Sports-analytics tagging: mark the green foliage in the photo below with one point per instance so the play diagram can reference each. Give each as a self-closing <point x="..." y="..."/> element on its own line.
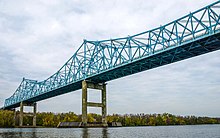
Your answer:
<point x="52" y="120"/>
<point x="160" y="120"/>
<point x="48" y="119"/>
<point x="6" y="118"/>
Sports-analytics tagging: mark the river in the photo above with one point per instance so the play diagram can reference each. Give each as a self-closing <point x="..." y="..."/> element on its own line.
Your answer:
<point x="195" y="131"/>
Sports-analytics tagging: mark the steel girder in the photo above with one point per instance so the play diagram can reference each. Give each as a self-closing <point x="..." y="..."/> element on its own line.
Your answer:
<point x="100" y="61"/>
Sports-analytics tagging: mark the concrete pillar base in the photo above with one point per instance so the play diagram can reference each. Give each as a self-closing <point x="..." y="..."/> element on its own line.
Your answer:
<point x="85" y="103"/>
<point x="22" y="114"/>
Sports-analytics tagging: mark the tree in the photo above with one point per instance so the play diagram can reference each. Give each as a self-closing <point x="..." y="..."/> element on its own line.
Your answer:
<point x="6" y="118"/>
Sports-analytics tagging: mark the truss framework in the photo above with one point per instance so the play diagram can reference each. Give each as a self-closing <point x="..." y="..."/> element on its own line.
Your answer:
<point x="100" y="61"/>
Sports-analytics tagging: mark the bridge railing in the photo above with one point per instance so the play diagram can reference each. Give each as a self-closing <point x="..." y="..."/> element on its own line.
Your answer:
<point x="94" y="57"/>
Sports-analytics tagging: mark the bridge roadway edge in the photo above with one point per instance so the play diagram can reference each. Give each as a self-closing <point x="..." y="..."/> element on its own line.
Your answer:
<point x="185" y="51"/>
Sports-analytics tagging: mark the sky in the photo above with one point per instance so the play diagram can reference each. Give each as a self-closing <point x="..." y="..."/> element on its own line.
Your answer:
<point x="38" y="37"/>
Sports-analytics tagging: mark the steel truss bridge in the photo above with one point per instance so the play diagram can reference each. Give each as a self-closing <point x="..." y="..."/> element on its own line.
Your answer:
<point x="101" y="61"/>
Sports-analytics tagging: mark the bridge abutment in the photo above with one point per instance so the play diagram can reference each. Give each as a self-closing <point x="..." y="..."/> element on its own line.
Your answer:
<point x="86" y="104"/>
<point x="22" y="114"/>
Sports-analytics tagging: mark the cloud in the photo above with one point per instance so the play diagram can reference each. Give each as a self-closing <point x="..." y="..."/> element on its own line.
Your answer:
<point x="38" y="37"/>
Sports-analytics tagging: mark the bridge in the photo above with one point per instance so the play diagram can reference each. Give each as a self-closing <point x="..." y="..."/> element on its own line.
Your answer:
<point x="97" y="62"/>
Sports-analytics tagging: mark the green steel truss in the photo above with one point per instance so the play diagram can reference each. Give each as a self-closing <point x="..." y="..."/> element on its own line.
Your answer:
<point x="100" y="61"/>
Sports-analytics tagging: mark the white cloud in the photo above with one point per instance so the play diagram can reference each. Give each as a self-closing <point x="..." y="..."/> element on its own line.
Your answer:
<point x="37" y="37"/>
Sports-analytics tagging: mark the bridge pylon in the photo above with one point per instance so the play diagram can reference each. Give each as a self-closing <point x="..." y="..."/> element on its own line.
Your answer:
<point x="22" y="114"/>
<point x="85" y="103"/>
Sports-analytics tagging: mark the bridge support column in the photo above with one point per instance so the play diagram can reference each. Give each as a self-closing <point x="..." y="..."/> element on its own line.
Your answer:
<point x="104" y="107"/>
<point x="85" y="103"/>
<point x="21" y="114"/>
<point x="14" y="123"/>
<point x="34" y="114"/>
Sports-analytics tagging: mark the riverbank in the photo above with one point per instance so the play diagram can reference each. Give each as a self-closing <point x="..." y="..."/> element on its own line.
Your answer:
<point x="49" y="119"/>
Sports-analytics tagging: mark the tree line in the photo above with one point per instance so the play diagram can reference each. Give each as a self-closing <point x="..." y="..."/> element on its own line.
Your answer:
<point x="49" y="119"/>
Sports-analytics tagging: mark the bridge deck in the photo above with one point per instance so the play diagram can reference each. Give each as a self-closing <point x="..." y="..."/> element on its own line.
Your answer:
<point x="100" y="61"/>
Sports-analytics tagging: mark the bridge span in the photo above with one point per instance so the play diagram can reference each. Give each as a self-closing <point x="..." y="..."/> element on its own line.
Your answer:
<point x="97" y="62"/>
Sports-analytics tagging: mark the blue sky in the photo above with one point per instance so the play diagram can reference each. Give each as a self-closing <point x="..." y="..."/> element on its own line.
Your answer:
<point x="37" y="38"/>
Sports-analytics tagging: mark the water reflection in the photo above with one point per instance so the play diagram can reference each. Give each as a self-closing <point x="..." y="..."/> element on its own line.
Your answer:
<point x="200" y="131"/>
<point x="11" y="134"/>
<point x="53" y="132"/>
<point x="105" y="133"/>
<point x="87" y="134"/>
<point x="34" y="133"/>
<point x="19" y="133"/>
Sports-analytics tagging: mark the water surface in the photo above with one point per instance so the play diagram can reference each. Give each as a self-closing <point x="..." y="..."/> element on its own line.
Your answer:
<point x="196" y="131"/>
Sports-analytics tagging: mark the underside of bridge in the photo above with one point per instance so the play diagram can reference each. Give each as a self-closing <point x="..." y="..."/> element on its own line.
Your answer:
<point x="97" y="62"/>
<point x="85" y="104"/>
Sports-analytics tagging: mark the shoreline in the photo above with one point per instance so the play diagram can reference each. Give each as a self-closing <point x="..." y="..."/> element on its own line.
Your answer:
<point x="106" y="127"/>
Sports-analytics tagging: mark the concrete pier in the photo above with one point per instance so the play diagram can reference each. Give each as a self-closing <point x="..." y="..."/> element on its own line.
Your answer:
<point x="22" y="114"/>
<point x="85" y="103"/>
<point x="34" y="114"/>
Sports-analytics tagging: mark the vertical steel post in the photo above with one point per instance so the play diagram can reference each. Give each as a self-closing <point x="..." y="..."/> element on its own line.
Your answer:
<point x="84" y="102"/>
<point x="21" y="114"/>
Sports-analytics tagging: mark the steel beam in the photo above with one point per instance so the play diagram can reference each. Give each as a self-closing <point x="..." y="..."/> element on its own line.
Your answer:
<point x="105" y="60"/>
